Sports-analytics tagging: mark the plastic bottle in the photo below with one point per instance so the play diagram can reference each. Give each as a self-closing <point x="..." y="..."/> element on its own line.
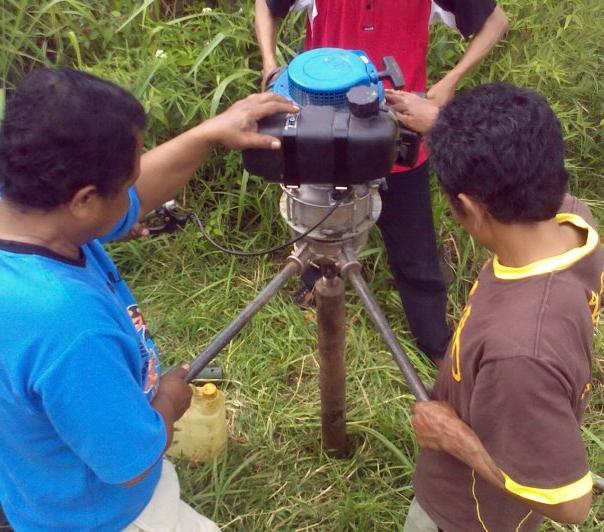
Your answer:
<point x="201" y="433"/>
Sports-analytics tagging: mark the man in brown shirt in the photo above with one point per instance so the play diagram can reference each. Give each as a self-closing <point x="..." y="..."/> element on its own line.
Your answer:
<point x="500" y="442"/>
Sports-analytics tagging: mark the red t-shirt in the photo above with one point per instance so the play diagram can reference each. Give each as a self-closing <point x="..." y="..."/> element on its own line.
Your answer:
<point x="385" y="27"/>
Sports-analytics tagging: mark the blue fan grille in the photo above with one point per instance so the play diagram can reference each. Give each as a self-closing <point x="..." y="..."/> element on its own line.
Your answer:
<point x="303" y="96"/>
<point x="323" y="76"/>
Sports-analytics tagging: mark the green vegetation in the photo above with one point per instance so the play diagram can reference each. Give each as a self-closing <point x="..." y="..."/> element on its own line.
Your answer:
<point x="187" y="60"/>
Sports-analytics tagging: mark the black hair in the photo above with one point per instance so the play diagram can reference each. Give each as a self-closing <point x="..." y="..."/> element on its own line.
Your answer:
<point x="502" y="146"/>
<point x="62" y="130"/>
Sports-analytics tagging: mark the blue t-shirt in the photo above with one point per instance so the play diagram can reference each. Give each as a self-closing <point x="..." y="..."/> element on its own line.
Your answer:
<point x="78" y="371"/>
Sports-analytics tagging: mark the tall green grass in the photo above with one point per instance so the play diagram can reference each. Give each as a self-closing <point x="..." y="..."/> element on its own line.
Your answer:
<point x="188" y="60"/>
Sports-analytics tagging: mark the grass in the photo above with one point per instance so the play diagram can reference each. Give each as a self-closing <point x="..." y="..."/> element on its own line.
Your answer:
<point x="188" y="60"/>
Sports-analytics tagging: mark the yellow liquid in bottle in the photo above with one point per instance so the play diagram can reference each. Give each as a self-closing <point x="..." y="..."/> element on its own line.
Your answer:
<point x="201" y="433"/>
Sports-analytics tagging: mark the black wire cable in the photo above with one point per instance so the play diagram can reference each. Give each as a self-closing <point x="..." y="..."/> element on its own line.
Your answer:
<point x="266" y="251"/>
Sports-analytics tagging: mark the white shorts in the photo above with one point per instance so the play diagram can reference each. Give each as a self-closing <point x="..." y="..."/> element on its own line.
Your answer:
<point x="166" y="512"/>
<point x="418" y="520"/>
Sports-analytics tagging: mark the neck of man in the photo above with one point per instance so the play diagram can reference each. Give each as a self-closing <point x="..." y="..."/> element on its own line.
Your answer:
<point x="49" y="229"/>
<point x="517" y="245"/>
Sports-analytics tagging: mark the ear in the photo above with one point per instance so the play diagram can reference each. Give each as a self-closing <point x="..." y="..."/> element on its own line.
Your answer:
<point x="84" y="201"/>
<point x="474" y="214"/>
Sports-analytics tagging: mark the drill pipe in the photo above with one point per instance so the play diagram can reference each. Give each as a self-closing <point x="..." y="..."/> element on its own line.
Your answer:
<point x="331" y="320"/>
<point x="292" y="267"/>
<point x="413" y="381"/>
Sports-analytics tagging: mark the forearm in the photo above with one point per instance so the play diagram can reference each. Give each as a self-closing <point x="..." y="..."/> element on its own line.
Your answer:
<point x="266" y="34"/>
<point x="464" y="444"/>
<point x="481" y="44"/>
<point x="166" y="411"/>
<point x="166" y="169"/>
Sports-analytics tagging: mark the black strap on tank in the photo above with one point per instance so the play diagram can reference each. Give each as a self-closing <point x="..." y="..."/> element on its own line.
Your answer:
<point x="340" y="153"/>
<point x="291" y="176"/>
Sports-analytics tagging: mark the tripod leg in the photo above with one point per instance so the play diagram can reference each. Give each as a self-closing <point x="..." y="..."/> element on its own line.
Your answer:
<point x="293" y="266"/>
<point x="415" y="384"/>
<point x="331" y="318"/>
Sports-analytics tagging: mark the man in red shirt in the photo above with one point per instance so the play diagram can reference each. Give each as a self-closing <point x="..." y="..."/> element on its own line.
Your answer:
<point x="400" y="28"/>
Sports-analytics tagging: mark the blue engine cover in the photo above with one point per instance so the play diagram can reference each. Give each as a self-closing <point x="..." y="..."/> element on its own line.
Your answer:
<point x="323" y="76"/>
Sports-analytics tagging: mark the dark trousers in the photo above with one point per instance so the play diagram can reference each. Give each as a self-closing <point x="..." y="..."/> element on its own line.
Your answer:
<point x="408" y="231"/>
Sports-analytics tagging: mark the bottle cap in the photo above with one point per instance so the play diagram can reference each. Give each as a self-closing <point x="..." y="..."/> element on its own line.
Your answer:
<point x="209" y="391"/>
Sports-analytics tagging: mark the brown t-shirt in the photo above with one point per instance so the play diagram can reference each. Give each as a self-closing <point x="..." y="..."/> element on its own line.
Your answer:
<point x="518" y="372"/>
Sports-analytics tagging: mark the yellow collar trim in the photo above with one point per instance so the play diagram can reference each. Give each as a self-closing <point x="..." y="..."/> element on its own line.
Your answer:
<point x="552" y="264"/>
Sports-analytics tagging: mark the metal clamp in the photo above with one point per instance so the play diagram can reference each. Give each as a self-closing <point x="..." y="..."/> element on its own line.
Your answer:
<point x="167" y="218"/>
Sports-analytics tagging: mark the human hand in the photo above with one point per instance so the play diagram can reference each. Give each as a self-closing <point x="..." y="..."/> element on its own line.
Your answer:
<point x="413" y="111"/>
<point x="138" y="230"/>
<point x="442" y="92"/>
<point x="269" y="75"/>
<point x="174" y="394"/>
<point x="439" y="428"/>
<point x="269" y="63"/>
<point x="436" y="424"/>
<point x="237" y="127"/>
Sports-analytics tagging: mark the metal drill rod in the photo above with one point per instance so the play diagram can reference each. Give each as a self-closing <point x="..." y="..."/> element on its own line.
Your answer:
<point x="415" y="384"/>
<point x="293" y="267"/>
<point x="331" y="321"/>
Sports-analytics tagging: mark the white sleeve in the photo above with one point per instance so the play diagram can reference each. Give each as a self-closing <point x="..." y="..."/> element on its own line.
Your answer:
<point x="438" y="14"/>
<point x="309" y="5"/>
<point x="299" y="5"/>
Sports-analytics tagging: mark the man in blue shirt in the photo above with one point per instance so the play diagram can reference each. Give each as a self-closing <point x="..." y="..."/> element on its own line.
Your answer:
<point x="85" y="417"/>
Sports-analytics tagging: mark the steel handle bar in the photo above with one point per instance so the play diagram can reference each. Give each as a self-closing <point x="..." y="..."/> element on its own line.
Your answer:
<point x="377" y="316"/>
<point x="211" y="351"/>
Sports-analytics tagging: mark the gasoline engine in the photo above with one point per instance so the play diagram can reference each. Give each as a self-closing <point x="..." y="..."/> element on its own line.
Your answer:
<point x="344" y="133"/>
